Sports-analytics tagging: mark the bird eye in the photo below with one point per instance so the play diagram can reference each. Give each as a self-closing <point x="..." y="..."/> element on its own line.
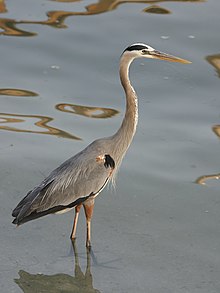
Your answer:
<point x="144" y="51"/>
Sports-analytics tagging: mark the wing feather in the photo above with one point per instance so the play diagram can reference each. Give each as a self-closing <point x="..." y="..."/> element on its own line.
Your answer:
<point x="77" y="178"/>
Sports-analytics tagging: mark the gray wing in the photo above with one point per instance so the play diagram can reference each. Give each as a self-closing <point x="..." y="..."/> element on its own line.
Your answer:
<point x="71" y="183"/>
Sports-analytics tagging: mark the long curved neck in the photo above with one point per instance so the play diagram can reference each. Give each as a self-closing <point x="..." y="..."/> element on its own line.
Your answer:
<point x="123" y="137"/>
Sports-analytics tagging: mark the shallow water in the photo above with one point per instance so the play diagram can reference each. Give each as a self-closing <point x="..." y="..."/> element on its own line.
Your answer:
<point x="158" y="231"/>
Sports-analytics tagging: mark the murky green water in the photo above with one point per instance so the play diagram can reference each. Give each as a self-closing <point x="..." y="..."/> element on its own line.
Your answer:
<point x="158" y="231"/>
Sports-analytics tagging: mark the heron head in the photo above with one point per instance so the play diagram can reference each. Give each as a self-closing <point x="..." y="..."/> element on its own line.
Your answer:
<point x="140" y="50"/>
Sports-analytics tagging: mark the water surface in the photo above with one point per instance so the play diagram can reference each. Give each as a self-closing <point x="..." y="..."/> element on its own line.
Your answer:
<point x="158" y="231"/>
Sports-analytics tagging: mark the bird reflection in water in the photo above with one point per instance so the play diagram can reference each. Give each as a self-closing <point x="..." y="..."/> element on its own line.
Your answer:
<point x="57" y="18"/>
<point x="214" y="60"/>
<point x="81" y="282"/>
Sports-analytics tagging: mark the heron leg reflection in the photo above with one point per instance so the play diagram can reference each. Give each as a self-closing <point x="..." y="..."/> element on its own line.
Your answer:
<point x="85" y="280"/>
<point x="73" y="233"/>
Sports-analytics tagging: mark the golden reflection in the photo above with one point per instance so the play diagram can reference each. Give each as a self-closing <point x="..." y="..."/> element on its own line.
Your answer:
<point x="57" y="18"/>
<point x="32" y="121"/>
<point x="8" y="27"/>
<point x="108" y="5"/>
<point x="216" y="130"/>
<point x="91" y="112"/>
<point x="66" y="1"/>
<point x="156" y="9"/>
<point x="2" y="6"/>
<point x="17" y="93"/>
<point x="202" y="179"/>
<point x="81" y="282"/>
<point x="214" y="60"/>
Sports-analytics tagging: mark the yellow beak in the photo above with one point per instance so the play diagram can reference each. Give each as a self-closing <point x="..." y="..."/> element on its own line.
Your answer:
<point x="163" y="56"/>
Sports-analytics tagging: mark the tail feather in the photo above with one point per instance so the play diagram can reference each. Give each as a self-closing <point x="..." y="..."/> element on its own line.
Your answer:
<point x="18" y="208"/>
<point x="26" y="206"/>
<point x="35" y="215"/>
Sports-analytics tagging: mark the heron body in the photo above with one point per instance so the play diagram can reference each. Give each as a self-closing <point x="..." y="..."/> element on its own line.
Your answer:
<point x="78" y="181"/>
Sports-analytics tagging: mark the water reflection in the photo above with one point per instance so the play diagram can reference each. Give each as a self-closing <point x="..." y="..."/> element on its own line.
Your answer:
<point x="216" y="130"/>
<point x="28" y="123"/>
<point x="156" y="10"/>
<point x="91" y="112"/>
<point x="214" y="60"/>
<point x="57" y="18"/>
<point x="2" y="6"/>
<point x="17" y="92"/>
<point x="9" y="28"/>
<point x="66" y="1"/>
<point x="31" y="121"/>
<point x="81" y="282"/>
<point x="202" y="179"/>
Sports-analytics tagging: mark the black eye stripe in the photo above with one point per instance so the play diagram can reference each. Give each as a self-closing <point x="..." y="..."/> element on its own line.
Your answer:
<point x="136" y="47"/>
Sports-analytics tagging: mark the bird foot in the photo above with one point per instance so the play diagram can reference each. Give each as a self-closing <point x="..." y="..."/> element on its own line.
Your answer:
<point x="88" y="245"/>
<point x="72" y="238"/>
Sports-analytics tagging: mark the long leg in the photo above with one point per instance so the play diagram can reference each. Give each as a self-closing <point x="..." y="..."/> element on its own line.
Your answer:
<point x="88" y="208"/>
<point x="77" y="210"/>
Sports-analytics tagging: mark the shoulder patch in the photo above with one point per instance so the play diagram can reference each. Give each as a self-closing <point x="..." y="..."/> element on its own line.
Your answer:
<point x="109" y="162"/>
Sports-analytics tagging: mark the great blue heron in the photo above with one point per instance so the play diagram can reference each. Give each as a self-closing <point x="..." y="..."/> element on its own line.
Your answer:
<point x="81" y="178"/>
